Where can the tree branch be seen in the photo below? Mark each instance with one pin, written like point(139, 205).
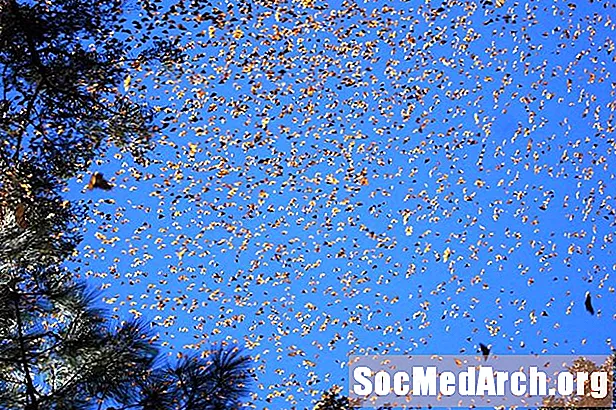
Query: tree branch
point(26, 120)
point(31, 393)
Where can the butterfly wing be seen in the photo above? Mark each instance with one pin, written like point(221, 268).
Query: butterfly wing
point(92, 182)
point(102, 183)
point(588, 304)
point(98, 181)
point(20, 216)
point(485, 351)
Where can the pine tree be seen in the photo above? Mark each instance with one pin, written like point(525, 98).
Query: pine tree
point(216, 383)
point(57, 351)
point(62, 72)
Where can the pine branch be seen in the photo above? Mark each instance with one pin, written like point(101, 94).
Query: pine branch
point(31, 393)
point(26, 120)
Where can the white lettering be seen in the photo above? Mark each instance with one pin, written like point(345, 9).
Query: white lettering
point(538, 382)
point(382, 383)
point(424, 381)
point(485, 381)
point(401, 387)
point(518, 389)
point(360, 374)
point(447, 383)
point(466, 380)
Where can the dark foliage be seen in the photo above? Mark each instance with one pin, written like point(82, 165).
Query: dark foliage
point(63, 101)
point(37, 226)
point(333, 399)
point(216, 383)
point(61, 80)
point(59, 352)
point(56, 349)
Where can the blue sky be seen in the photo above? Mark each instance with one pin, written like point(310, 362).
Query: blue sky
point(397, 136)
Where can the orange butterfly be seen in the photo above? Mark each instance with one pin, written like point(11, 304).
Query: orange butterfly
point(97, 181)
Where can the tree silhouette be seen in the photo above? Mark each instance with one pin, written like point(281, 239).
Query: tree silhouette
point(37, 226)
point(62, 72)
point(195, 384)
point(57, 351)
point(333, 399)
point(587, 401)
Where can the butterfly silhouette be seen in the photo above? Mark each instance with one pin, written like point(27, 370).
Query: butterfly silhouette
point(588, 304)
point(98, 181)
point(485, 351)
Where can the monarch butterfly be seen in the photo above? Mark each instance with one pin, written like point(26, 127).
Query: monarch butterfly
point(500, 3)
point(97, 181)
point(20, 216)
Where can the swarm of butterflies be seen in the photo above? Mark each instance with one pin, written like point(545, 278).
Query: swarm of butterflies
point(360, 177)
